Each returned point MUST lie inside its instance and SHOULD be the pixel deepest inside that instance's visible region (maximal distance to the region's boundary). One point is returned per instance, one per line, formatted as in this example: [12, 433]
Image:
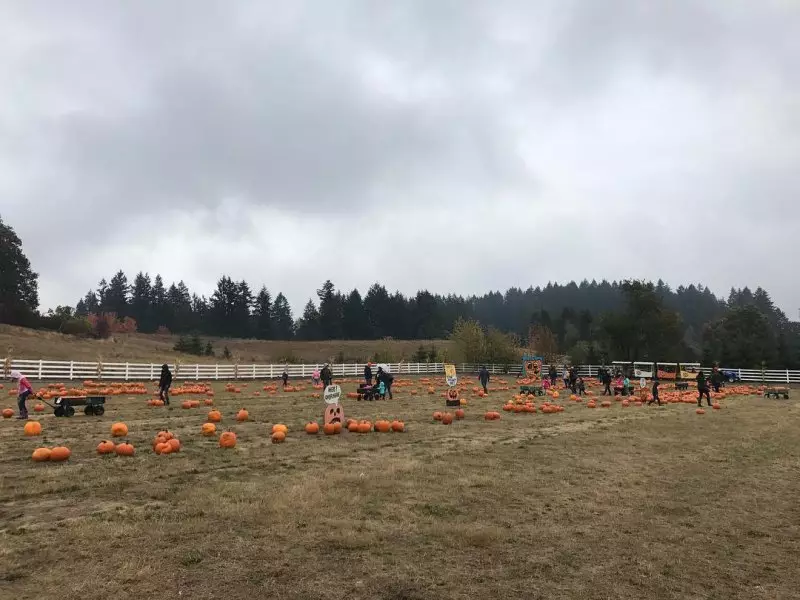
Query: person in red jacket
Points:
[24, 390]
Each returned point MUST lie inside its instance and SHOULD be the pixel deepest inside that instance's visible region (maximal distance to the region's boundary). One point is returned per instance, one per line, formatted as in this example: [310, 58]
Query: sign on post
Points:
[450, 375]
[332, 395]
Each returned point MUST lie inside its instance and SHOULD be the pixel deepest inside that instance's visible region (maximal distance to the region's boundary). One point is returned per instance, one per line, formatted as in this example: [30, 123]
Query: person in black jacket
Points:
[387, 379]
[326, 375]
[655, 397]
[368, 373]
[605, 379]
[716, 379]
[702, 389]
[483, 378]
[553, 376]
[164, 384]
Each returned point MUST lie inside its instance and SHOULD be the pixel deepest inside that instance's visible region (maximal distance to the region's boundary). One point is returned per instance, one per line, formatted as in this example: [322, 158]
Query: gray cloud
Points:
[226, 136]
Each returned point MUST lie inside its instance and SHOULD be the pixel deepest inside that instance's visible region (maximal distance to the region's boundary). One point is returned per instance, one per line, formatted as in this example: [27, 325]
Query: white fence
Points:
[74, 370]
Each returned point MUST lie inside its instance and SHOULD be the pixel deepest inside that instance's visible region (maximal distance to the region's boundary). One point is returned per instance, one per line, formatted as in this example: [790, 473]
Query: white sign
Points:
[642, 383]
[332, 394]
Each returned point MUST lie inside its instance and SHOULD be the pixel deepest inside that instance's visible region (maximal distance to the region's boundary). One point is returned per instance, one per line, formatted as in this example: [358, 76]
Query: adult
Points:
[164, 383]
[483, 378]
[285, 377]
[702, 389]
[368, 373]
[565, 376]
[655, 397]
[605, 379]
[24, 389]
[327, 375]
[387, 379]
[553, 375]
[716, 379]
[573, 378]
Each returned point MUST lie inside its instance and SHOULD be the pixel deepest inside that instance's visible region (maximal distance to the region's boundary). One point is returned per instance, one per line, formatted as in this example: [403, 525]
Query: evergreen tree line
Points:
[590, 321]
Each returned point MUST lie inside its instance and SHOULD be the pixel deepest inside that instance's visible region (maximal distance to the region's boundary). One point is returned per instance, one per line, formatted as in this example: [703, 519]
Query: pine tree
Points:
[262, 315]
[282, 320]
[308, 326]
[142, 302]
[330, 312]
[19, 285]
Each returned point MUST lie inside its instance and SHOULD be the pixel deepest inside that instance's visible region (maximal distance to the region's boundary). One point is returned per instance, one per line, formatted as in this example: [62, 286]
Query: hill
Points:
[37, 344]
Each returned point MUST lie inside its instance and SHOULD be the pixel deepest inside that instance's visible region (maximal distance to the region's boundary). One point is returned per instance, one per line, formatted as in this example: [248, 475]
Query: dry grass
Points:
[606, 503]
[33, 344]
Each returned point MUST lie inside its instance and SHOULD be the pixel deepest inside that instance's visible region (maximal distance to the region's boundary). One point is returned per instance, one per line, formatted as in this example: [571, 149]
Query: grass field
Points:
[636, 502]
[34, 344]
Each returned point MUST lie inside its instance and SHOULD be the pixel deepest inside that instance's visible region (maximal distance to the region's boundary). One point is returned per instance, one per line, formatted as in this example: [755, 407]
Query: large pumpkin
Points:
[215, 416]
[124, 449]
[242, 415]
[8, 413]
[227, 440]
[278, 437]
[105, 447]
[41, 454]
[60, 453]
[119, 430]
[33, 428]
[208, 429]
[312, 428]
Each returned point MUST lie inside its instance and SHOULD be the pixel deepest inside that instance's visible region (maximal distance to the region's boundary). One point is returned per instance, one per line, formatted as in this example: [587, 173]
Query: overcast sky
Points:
[453, 145]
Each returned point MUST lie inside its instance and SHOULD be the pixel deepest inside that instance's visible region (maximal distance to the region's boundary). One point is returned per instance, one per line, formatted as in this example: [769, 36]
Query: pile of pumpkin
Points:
[357, 426]
[446, 418]
[165, 442]
[55, 454]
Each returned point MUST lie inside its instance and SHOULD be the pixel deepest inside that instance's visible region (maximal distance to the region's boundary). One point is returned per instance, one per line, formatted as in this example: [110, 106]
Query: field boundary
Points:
[130, 371]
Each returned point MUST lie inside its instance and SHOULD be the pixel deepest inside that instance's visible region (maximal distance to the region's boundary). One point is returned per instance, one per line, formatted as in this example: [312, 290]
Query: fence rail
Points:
[128, 371]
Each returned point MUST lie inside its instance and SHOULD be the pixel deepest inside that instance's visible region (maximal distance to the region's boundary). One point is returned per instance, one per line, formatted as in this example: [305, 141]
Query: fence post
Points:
[40, 369]
[787, 376]
[126, 371]
[152, 373]
[216, 370]
[71, 369]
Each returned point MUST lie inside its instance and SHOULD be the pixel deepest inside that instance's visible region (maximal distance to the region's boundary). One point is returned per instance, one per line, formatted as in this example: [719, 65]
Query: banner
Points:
[532, 367]
[450, 375]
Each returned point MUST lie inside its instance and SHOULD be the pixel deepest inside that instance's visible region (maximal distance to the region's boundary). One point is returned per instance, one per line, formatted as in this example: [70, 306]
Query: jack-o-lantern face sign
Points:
[333, 414]
[452, 393]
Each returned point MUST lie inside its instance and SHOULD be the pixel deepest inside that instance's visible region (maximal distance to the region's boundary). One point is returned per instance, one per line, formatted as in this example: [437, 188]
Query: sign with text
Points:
[332, 395]
[450, 375]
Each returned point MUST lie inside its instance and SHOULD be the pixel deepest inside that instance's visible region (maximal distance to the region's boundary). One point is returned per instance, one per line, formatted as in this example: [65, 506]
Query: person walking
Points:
[483, 378]
[368, 373]
[24, 389]
[553, 376]
[565, 376]
[605, 379]
[387, 379]
[655, 397]
[327, 375]
[573, 378]
[285, 377]
[702, 389]
[716, 379]
[315, 376]
[164, 383]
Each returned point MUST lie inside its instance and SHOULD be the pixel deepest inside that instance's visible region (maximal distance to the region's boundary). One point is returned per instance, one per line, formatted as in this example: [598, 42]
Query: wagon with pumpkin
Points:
[64, 406]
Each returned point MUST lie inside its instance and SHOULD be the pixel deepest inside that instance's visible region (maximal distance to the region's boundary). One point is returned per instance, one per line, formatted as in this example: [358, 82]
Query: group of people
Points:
[572, 380]
[382, 381]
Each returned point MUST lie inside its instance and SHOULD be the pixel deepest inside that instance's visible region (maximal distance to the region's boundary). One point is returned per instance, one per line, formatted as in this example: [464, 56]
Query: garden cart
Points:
[65, 405]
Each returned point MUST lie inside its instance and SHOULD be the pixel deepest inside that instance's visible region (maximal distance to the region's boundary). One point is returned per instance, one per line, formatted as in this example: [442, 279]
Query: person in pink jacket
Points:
[24, 390]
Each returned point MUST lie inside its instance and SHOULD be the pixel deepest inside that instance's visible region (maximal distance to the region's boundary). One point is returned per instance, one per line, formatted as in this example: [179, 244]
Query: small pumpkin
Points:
[398, 426]
[700, 411]
[312, 428]
[716, 406]
[352, 427]
[186, 404]
[459, 414]
[105, 447]
[60, 453]
[125, 449]
[41, 454]
[38, 407]
[364, 427]
[119, 430]
[437, 416]
[447, 418]
[33, 428]
[208, 429]
[327, 429]
[383, 426]
[8, 413]
[242, 415]
[174, 444]
[227, 440]
[208, 401]
[214, 416]
[280, 427]
[278, 437]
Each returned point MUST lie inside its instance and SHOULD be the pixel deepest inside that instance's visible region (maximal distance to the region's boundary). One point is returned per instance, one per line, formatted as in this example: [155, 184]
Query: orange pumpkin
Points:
[398, 426]
[328, 429]
[312, 428]
[174, 444]
[186, 404]
[119, 430]
[383, 426]
[447, 418]
[214, 416]
[716, 406]
[364, 427]
[41, 454]
[38, 407]
[278, 437]
[125, 449]
[60, 453]
[700, 411]
[437, 416]
[459, 414]
[208, 429]
[280, 427]
[105, 447]
[8, 413]
[227, 440]
[242, 415]
[352, 426]
[33, 428]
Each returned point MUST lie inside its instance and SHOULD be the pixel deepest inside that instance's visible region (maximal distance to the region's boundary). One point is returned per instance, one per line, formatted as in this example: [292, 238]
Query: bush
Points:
[226, 354]
[77, 326]
[209, 350]
[190, 345]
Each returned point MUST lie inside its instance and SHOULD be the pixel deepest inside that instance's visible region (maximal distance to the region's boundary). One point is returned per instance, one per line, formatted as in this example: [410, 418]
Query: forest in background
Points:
[590, 321]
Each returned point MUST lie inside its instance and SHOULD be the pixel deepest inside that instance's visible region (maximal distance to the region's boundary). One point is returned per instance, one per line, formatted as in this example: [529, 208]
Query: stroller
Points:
[372, 392]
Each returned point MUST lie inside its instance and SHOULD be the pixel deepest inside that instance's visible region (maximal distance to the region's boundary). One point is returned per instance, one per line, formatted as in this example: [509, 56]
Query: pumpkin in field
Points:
[398, 426]
[447, 418]
[312, 428]
[280, 427]
[352, 427]
[60, 453]
[437, 416]
[329, 429]
[591, 404]
[186, 404]
[716, 406]
[431, 391]
[491, 416]
[364, 427]
[8, 413]
[125, 449]
[38, 407]
[208, 401]
[242, 415]
[119, 430]
[105, 447]
[214, 416]
[700, 411]
[625, 403]
[459, 414]
[33, 428]
[278, 437]
[606, 404]
[337, 426]
[208, 429]
[383, 426]
[573, 397]
[41, 454]
[174, 445]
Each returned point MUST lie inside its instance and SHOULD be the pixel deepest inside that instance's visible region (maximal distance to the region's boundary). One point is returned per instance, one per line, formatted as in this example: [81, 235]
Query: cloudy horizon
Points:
[459, 147]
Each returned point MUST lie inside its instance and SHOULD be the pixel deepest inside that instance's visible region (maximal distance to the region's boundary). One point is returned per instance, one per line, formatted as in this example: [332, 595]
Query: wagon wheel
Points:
[99, 410]
[69, 410]
[59, 411]
[89, 410]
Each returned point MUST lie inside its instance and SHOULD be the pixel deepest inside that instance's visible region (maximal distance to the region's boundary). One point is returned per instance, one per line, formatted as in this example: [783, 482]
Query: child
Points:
[24, 390]
[546, 385]
[581, 386]
[315, 377]
[655, 394]
[285, 377]
[618, 389]
[626, 386]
